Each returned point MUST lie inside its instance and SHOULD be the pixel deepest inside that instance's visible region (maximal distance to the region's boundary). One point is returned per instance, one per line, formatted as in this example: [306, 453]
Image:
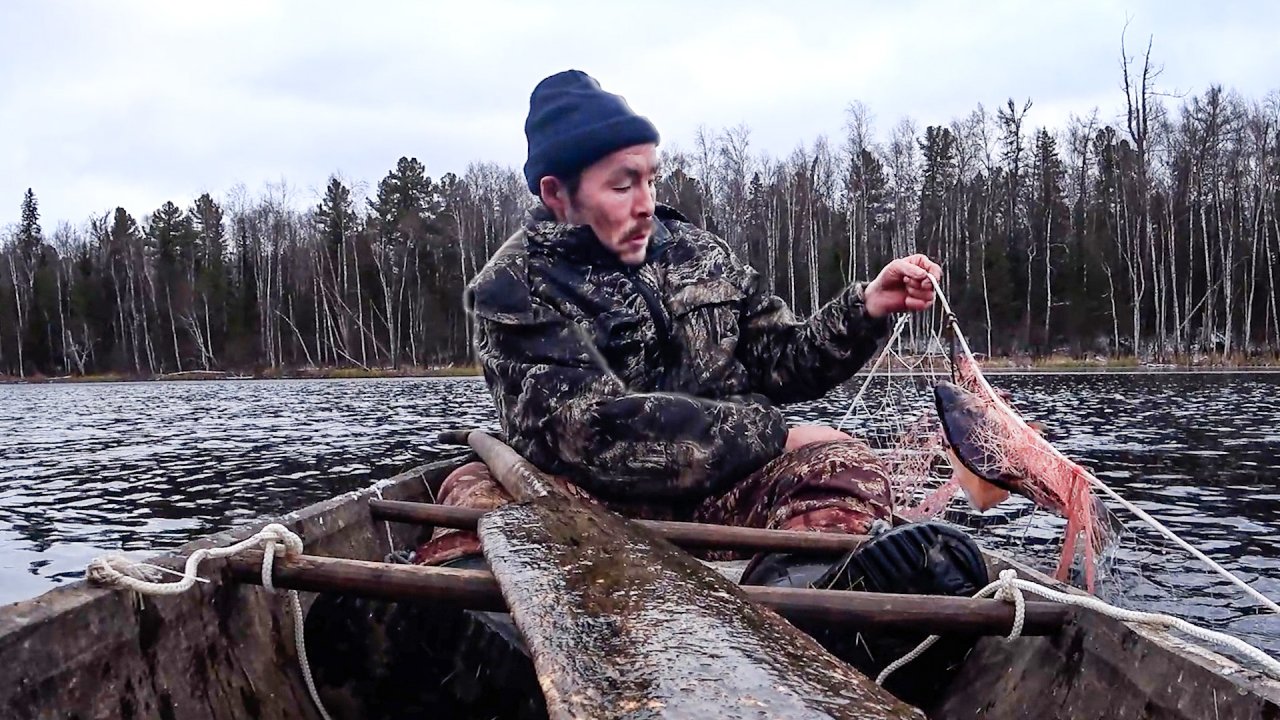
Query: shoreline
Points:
[990, 366]
[324, 373]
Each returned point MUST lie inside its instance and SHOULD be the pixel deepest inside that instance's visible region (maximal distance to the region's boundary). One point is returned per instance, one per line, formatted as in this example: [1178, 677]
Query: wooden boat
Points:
[225, 649]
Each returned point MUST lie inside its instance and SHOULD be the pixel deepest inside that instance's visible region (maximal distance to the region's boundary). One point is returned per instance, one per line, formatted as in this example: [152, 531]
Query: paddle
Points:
[622, 624]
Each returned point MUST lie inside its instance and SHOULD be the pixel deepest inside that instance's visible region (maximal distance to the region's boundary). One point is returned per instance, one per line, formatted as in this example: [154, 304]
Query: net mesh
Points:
[894, 411]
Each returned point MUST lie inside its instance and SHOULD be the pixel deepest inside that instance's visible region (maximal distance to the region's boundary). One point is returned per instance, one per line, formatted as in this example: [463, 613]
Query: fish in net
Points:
[947, 436]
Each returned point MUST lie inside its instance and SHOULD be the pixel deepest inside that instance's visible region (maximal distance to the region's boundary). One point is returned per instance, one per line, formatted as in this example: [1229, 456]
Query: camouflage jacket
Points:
[655, 381]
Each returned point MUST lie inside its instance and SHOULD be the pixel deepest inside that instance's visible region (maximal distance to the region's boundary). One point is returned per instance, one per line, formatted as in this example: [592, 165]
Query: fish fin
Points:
[1090, 561]
[1067, 559]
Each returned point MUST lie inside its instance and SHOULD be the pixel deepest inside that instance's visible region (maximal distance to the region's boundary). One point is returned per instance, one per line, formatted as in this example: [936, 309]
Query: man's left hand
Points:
[904, 285]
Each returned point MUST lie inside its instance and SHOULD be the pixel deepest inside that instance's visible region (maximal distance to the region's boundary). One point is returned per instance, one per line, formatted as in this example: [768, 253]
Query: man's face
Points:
[616, 198]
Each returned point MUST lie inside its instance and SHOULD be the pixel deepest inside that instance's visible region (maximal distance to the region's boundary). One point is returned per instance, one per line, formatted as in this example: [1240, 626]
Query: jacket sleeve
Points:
[792, 361]
[569, 414]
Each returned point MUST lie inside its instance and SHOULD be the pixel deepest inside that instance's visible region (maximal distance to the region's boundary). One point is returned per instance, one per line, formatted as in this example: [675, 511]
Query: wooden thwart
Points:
[699, 536]
[478, 590]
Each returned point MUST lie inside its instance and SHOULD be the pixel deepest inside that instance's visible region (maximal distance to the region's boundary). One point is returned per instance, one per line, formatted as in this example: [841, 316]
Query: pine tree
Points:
[938, 177]
[1050, 223]
[405, 211]
[212, 283]
[30, 237]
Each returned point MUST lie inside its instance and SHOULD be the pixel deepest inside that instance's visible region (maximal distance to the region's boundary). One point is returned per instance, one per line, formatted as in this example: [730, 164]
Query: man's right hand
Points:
[904, 285]
[802, 435]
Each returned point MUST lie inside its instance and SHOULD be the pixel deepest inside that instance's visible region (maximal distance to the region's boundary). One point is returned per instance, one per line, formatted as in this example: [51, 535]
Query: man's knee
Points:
[836, 453]
[472, 486]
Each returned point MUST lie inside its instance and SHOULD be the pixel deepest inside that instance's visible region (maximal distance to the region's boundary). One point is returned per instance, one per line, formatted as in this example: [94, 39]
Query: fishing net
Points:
[1055, 520]
[1056, 507]
[896, 410]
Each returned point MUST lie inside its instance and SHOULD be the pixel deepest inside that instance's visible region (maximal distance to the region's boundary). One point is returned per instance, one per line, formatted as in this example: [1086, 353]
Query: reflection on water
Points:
[140, 466]
[91, 468]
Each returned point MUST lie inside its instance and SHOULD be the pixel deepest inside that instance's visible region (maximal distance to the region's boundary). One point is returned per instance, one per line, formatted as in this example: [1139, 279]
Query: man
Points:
[631, 354]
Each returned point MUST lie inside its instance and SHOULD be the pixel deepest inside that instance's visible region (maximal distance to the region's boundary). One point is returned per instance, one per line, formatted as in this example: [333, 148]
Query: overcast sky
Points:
[134, 103]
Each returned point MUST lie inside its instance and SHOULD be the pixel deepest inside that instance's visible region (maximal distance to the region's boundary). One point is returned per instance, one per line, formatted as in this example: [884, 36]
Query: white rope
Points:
[1103, 487]
[897, 330]
[1010, 588]
[106, 570]
[275, 539]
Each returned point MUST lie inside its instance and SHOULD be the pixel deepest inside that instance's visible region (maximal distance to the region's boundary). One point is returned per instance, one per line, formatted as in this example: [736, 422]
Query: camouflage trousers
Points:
[836, 486]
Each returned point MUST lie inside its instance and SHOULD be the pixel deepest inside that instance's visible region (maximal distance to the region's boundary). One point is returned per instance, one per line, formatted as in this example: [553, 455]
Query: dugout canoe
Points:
[225, 649]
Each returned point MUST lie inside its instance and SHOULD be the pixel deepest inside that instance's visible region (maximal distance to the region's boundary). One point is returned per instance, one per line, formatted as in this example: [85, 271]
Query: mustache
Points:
[644, 227]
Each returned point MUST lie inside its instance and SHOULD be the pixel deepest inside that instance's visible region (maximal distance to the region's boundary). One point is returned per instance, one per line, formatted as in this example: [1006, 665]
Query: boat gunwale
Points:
[328, 521]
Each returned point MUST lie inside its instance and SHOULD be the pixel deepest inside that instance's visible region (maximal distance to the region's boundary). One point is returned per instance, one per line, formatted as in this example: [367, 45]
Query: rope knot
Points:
[110, 570]
[280, 540]
[276, 540]
[1007, 590]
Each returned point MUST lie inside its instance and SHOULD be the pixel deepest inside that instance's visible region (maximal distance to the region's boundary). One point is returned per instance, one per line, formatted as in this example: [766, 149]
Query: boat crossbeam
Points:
[478, 590]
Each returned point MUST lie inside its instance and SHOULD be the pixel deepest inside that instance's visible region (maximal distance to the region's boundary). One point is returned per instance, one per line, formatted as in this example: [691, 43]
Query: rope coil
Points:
[117, 571]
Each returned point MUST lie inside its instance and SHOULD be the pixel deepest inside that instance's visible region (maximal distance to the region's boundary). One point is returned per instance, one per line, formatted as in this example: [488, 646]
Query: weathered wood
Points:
[221, 651]
[515, 474]
[1099, 668]
[477, 590]
[699, 536]
[622, 624]
[469, 589]
[226, 651]
[932, 614]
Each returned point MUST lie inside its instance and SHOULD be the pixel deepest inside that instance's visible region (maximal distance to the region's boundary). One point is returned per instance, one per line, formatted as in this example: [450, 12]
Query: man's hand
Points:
[802, 435]
[904, 285]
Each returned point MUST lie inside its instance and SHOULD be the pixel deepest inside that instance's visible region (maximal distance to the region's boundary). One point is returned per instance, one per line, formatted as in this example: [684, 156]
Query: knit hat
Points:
[573, 122]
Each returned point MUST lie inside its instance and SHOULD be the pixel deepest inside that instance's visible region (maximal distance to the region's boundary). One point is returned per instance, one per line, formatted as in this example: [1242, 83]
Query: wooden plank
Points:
[660, 635]
[699, 536]
[221, 651]
[1102, 669]
[478, 590]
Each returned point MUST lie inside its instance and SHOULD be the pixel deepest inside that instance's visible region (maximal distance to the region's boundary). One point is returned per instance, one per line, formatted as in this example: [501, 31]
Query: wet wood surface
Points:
[221, 651]
[225, 650]
[1098, 668]
[622, 624]
[689, 535]
[478, 590]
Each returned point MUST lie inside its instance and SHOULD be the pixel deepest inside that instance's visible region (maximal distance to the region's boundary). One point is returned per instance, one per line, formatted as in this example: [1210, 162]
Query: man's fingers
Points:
[916, 304]
[909, 270]
[916, 267]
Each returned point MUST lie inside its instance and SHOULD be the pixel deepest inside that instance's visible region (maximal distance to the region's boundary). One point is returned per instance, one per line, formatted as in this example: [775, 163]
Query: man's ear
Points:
[555, 196]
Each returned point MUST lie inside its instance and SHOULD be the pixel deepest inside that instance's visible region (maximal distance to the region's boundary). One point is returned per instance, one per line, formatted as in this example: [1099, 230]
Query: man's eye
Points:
[622, 189]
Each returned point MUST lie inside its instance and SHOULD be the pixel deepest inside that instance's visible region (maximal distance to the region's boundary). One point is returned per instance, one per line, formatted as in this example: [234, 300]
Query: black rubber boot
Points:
[921, 558]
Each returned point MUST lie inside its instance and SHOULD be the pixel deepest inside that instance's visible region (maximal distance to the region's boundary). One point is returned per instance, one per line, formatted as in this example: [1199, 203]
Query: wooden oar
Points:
[622, 624]
[700, 536]
[478, 590]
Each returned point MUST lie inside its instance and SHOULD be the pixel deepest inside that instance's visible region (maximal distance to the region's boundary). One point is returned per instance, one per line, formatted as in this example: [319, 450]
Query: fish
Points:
[995, 453]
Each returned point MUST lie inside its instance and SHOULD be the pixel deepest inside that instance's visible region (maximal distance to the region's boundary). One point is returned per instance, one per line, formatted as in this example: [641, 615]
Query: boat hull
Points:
[225, 650]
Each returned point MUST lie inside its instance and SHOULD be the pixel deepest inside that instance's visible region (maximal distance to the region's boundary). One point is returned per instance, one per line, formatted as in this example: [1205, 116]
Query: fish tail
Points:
[1068, 556]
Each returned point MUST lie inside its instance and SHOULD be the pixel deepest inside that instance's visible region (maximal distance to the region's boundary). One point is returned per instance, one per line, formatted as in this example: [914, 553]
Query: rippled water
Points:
[86, 469]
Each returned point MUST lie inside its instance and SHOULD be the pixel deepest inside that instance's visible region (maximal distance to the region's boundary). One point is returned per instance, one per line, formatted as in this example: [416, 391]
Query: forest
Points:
[1152, 236]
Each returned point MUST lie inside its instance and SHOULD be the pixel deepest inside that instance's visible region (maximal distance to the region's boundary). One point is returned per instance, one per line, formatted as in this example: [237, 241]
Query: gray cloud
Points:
[135, 103]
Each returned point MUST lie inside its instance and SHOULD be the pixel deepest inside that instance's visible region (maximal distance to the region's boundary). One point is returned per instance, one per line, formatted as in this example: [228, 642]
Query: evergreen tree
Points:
[29, 235]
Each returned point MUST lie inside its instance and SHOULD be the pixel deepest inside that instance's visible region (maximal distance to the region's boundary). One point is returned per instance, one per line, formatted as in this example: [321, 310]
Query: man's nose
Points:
[647, 202]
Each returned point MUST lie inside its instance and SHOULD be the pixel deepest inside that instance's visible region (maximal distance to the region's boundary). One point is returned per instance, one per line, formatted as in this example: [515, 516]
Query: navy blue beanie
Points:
[573, 122]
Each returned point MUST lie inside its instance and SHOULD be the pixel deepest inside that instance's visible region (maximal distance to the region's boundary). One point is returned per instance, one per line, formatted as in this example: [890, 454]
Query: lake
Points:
[92, 468]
